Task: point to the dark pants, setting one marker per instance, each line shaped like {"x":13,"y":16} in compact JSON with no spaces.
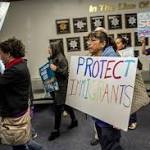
{"x":133,"y":118}
{"x":31,"y":145}
{"x":58,"y":111}
{"x":20,"y":147}
{"x":109,"y":138}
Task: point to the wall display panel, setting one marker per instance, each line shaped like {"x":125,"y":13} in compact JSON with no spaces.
{"x":114,"y":22}
{"x":97,"y":21}
{"x":80,"y":25}
{"x":73,"y":44}
{"x":55,"y":40}
{"x":63,"y":26}
{"x":127,"y":36}
{"x":137,"y":40}
{"x":112,"y":36}
{"x":85,"y":41}
{"x":131,"y":20}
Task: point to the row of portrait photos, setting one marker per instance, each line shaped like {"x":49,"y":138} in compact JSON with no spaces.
{"x":73,"y":43}
{"x":80,"y":24}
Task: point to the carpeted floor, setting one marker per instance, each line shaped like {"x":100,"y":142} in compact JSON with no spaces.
{"x":79,"y":138}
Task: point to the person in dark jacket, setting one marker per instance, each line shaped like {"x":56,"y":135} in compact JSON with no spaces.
{"x":101,"y":45}
{"x":15,"y":85}
{"x":59,"y":64}
{"x":121,"y":44}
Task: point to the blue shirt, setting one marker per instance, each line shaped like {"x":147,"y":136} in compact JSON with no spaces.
{"x":108,"y":52}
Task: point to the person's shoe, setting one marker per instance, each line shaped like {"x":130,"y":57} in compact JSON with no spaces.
{"x":94,"y":142}
{"x":132,"y":126}
{"x":73,"y":124}
{"x":54,"y":135}
{"x":65,"y":114}
{"x":34,"y":135}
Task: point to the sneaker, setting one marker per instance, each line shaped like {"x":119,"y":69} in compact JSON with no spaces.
{"x":65,"y":114}
{"x":94,"y":142}
{"x":34,"y":135}
{"x":132,"y":126}
{"x":54,"y":135}
{"x":73,"y":124}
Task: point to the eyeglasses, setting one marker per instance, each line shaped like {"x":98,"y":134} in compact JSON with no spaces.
{"x":92,"y":41}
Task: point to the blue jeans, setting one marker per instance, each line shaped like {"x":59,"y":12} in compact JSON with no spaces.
{"x":20,"y":147}
{"x":31,"y":145}
{"x":109,"y":138}
{"x":133,"y":118}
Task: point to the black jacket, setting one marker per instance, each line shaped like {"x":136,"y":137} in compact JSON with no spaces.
{"x":62,"y":77}
{"x":14,"y":90}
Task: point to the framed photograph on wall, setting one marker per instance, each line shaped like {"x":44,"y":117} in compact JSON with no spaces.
{"x":97,"y":21}
{"x":127,"y":36}
{"x":137,"y":40}
{"x":85,"y":41}
{"x":112,"y":36}
{"x":80,"y":25}
{"x":63,"y":26}
{"x":73,"y":44}
{"x":131,"y":20}
{"x":114,"y":22}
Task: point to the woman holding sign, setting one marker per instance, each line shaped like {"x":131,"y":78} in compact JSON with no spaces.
{"x":59,"y":64}
{"x":101,"y":45}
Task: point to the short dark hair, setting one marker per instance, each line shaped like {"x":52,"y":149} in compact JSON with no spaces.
{"x":13,"y":46}
{"x":123,"y":40}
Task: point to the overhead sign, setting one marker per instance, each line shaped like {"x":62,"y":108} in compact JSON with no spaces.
{"x":121,"y":5}
{"x":3,"y":11}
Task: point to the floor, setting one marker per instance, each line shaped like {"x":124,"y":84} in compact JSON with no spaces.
{"x":79,"y":138}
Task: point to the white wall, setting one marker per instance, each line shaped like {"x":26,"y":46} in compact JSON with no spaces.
{"x":33,"y":21}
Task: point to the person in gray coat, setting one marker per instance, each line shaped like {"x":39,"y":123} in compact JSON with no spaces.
{"x":59,"y":64}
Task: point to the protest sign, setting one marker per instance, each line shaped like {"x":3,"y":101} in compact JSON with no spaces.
{"x":144,"y":24}
{"x":103,"y":87}
{"x":48,"y":78}
{"x":127,"y":52}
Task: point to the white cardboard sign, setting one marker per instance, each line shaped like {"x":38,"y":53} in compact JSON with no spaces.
{"x":102,"y":87}
{"x":127,"y":52}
